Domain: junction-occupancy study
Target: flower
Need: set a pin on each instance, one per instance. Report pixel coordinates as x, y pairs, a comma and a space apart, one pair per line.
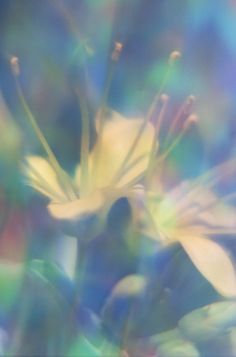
118, 160
191, 213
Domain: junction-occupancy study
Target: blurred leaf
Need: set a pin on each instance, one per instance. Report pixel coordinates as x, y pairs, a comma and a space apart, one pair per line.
83, 348
209, 321
166, 336
135, 308
172, 344
44, 319
11, 276
90, 325
51, 274
118, 313
110, 350
177, 348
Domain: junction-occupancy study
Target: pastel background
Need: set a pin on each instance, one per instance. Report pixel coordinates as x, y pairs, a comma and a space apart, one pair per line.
46, 36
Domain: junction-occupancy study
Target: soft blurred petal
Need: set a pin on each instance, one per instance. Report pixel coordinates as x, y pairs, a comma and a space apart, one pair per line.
72, 210
43, 178
108, 155
213, 262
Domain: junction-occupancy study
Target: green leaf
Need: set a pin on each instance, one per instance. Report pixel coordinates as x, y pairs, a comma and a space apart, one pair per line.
11, 276
173, 344
83, 348
209, 321
177, 348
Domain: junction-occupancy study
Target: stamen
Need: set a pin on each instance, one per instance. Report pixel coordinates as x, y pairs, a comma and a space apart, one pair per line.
155, 144
62, 176
99, 119
117, 51
172, 58
100, 115
164, 100
14, 61
192, 119
84, 149
184, 110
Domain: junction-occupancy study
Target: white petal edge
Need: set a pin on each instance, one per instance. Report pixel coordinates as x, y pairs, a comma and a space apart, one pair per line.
213, 262
43, 178
75, 209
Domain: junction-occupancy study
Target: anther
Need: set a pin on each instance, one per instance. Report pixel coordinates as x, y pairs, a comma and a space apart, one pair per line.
14, 61
191, 99
164, 98
117, 51
174, 56
188, 104
191, 120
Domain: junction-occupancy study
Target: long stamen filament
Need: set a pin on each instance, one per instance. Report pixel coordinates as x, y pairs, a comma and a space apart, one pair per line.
62, 177
189, 121
84, 150
172, 59
184, 110
155, 143
100, 115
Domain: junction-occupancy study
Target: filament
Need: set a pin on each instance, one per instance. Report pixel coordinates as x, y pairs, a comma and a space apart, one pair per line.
155, 143
84, 175
188, 122
172, 58
184, 110
100, 115
62, 176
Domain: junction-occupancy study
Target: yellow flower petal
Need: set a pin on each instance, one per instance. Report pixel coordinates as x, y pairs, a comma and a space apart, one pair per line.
213, 263
43, 178
109, 154
73, 210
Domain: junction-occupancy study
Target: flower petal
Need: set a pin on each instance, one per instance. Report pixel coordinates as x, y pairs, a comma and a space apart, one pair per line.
73, 210
107, 158
43, 178
213, 262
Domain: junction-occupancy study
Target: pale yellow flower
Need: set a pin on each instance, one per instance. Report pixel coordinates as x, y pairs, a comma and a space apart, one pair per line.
118, 160
191, 214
